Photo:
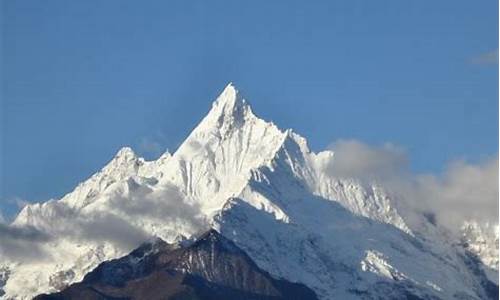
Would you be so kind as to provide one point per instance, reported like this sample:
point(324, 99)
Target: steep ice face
point(264, 188)
point(229, 112)
point(214, 162)
point(305, 237)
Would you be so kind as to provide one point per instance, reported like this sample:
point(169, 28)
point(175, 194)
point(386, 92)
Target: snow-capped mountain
point(264, 189)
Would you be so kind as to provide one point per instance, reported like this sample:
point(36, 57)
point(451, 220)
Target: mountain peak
point(124, 158)
point(229, 110)
point(229, 98)
point(125, 153)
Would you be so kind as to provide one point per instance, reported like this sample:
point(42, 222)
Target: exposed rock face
point(212, 267)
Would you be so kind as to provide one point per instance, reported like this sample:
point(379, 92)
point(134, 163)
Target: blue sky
point(80, 79)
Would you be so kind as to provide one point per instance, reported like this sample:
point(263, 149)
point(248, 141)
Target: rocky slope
point(211, 267)
point(264, 189)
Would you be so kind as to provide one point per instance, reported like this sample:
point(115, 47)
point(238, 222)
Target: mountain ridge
point(242, 175)
point(210, 267)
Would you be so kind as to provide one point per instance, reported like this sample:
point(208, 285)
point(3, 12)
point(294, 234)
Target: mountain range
point(266, 192)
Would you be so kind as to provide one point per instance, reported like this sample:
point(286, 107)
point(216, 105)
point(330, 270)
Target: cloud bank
point(167, 205)
point(354, 159)
point(120, 222)
point(463, 192)
point(22, 242)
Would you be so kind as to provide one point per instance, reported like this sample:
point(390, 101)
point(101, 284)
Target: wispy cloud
point(487, 58)
point(152, 145)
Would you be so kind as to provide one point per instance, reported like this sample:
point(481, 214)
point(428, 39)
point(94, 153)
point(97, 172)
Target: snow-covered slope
point(267, 191)
point(480, 240)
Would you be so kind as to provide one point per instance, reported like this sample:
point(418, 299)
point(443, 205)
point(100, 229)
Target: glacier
point(263, 188)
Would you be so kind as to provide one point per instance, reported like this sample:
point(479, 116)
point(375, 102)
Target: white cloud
point(22, 242)
point(116, 223)
point(464, 191)
point(358, 160)
point(105, 227)
point(164, 206)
